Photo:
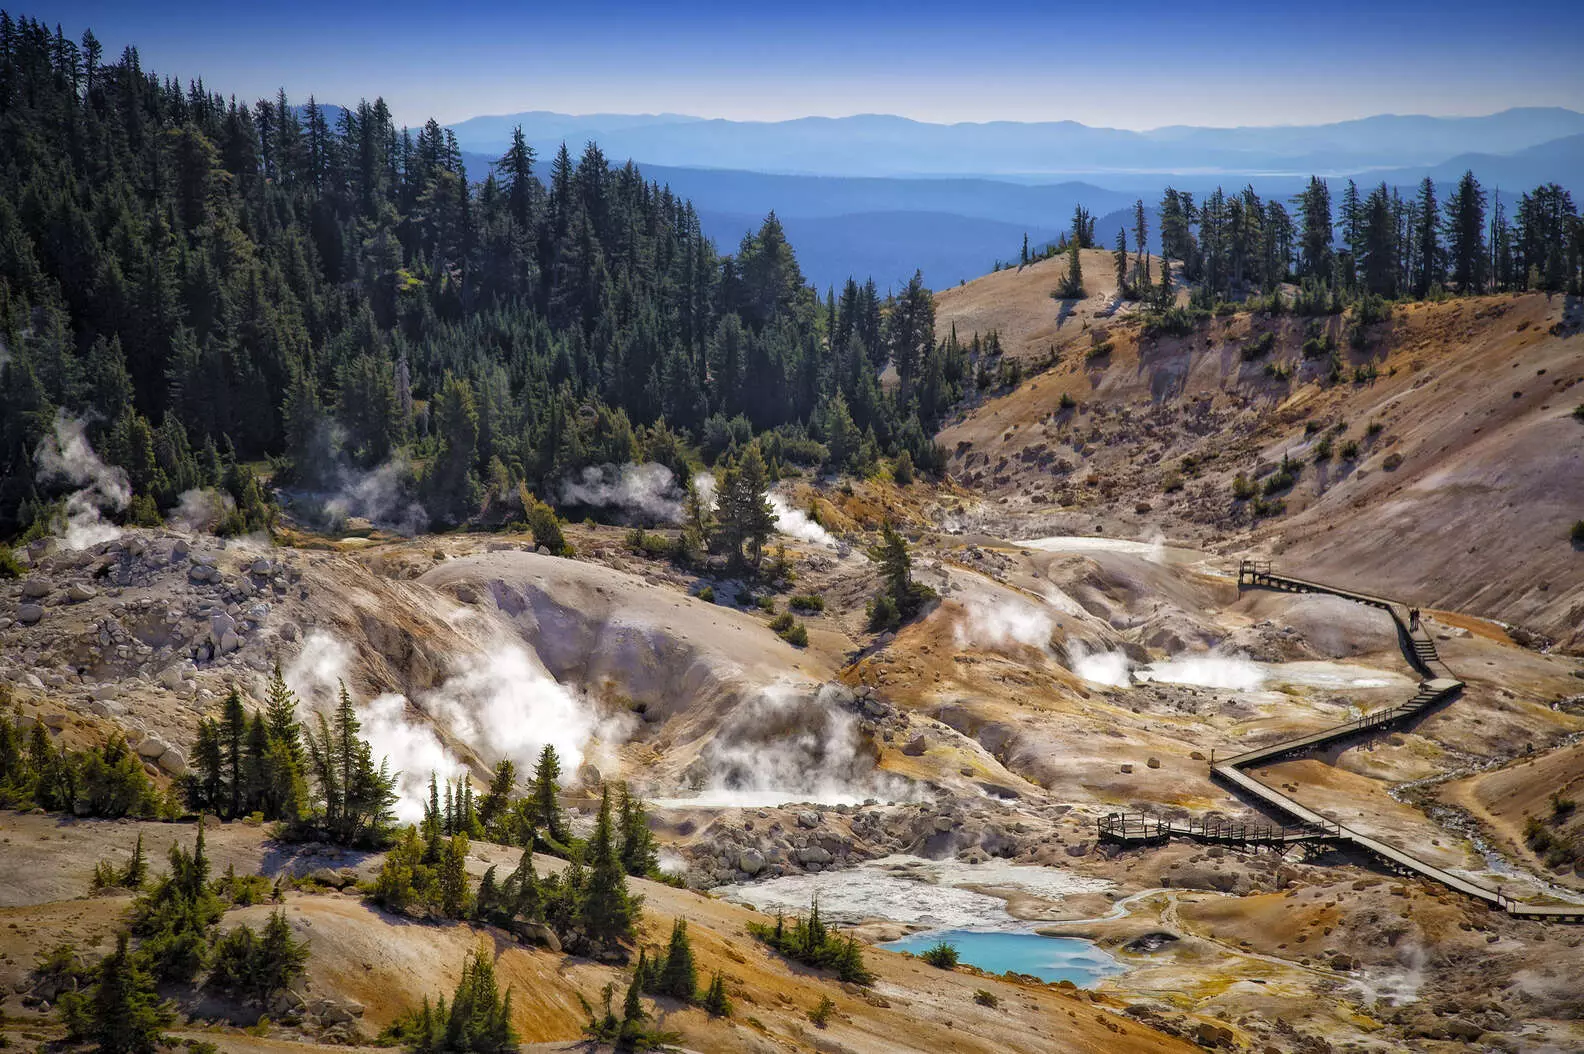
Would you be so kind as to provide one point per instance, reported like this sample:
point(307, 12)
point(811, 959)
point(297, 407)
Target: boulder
point(220, 623)
point(916, 746)
point(589, 775)
point(1153, 763)
point(173, 761)
point(813, 854)
point(56, 721)
point(750, 861)
point(538, 933)
point(29, 614)
point(77, 592)
point(230, 643)
point(808, 818)
point(261, 567)
point(34, 588)
point(152, 747)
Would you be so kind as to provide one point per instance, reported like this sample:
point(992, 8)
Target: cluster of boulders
point(137, 616)
point(332, 1020)
point(768, 843)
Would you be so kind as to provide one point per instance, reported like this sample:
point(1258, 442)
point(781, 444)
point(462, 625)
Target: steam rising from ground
point(796, 523)
point(1105, 667)
point(1207, 670)
point(201, 509)
point(66, 455)
point(787, 744)
point(381, 495)
point(644, 492)
point(500, 703)
point(1010, 620)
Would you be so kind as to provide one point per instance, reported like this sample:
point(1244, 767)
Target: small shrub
point(1260, 346)
point(821, 1013)
point(1323, 450)
point(942, 956)
point(10, 567)
point(782, 622)
point(1577, 534)
point(765, 603)
point(1067, 401)
point(1242, 488)
point(806, 602)
point(1374, 429)
point(1280, 371)
point(1578, 415)
point(797, 636)
point(1283, 478)
point(1171, 482)
point(984, 998)
point(1393, 460)
point(1561, 806)
point(1098, 350)
point(707, 594)
point(1350, 450)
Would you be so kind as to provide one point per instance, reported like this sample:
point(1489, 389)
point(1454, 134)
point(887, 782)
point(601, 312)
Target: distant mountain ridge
point(883, 145)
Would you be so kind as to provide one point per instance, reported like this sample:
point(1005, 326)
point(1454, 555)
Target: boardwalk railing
point(1439, 686)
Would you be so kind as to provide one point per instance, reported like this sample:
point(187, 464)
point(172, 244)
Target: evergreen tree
point(1465, 235)
point(638, 853)
point(745, 517)
point(545, 796)
point(1121, 260)
point(716, 1003)
point(1428, 225)
point(678, 976)
point(1314, 211)
point(123, 1013)
point(607, 912)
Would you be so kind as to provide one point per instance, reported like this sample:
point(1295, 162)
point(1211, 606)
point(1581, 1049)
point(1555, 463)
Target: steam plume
point(66, 455)
point(647, 491)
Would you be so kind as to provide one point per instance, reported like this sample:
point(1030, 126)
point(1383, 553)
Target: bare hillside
point(1442, 459)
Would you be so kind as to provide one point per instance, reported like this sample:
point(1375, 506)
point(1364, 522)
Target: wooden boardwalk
point(1439, 686)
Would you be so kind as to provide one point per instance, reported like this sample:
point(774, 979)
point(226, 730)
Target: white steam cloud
point(380, 495)
point(66, 455)
point(1103, 667)
point(789, 744)
point(1206, 670)
point(797, 524)
point(501, 703)
point(647, 491)
point(996, 623)
point(201, 509)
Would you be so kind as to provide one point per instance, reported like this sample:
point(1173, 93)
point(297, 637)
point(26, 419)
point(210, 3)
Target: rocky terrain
point(1088, 652)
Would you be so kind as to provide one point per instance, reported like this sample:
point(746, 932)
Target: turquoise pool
point(997, 951)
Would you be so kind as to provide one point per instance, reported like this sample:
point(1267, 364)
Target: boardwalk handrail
point(1439, 686)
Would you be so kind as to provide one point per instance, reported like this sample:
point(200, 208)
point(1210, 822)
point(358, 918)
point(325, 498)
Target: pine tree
point(1072, 287)
point(679, 977)
point(716, 1003)
point(1465, 235)
point(233, 731)
point(746, 519)
point(607, 911)
point(492, 807)
point(124, 1013)
point(1141, 266)
point(1121, 260)
point(1428, 225)
point(638, 854)
point(456, 898)
point(545, 796)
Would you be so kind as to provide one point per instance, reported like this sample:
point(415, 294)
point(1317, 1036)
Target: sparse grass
point(984, 998)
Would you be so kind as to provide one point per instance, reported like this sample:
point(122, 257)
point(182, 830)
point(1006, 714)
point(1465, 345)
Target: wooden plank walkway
point(1439, 686)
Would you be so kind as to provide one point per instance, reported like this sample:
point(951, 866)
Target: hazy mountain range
point(880, 195)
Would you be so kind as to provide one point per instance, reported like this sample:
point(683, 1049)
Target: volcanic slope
point(1435, 454)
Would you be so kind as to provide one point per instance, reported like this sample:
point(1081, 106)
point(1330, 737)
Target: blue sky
point(1139, 64)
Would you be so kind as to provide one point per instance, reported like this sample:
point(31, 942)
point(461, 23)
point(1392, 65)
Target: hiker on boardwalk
point(1413, 618)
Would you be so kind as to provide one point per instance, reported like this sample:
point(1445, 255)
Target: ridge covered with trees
point(223, 288)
